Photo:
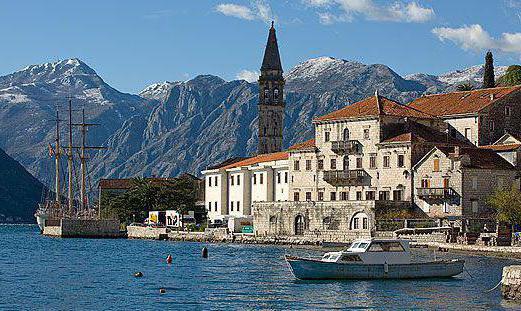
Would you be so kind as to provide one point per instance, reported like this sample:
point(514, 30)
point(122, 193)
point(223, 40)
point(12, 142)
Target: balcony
point(346, 147)
point(346, 178)
point(435, 193)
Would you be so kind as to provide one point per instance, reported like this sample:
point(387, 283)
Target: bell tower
point(271, 98)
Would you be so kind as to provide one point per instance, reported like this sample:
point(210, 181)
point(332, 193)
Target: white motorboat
point(372, 259)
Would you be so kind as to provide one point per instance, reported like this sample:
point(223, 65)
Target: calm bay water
point(40, 273)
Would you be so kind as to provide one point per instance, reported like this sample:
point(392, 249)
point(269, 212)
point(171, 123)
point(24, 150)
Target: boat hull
point(310, 269)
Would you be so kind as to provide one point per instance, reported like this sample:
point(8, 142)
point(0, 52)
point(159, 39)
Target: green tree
point(507, 205)
point(488, 75)
point(512, 76)
point(467, 86)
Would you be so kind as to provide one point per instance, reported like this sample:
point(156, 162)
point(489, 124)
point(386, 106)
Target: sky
point(132, 44)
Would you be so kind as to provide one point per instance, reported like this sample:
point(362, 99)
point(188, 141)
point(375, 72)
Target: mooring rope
point(493, 288)
point(468, 272)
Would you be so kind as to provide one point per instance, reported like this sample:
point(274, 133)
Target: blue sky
point(132, 44)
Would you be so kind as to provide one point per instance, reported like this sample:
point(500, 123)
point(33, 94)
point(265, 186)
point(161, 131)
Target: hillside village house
point(368, 158)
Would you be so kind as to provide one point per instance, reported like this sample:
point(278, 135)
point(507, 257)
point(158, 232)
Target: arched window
point(267, 94)
point(346, 134)
point(359, 221)
point(299, 225)
point(276, 94)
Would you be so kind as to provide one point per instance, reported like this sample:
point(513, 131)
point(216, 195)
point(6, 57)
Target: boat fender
point(162, 291)
point(205, 252)
point(169, 259)
point(138, 274)
point(386, 267)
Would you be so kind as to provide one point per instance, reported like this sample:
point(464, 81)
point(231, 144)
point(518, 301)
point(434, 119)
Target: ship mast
point(57, 154)
point(82, 158)
point(69, 162)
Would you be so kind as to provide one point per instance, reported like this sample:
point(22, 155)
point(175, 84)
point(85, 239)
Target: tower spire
point(271, 59)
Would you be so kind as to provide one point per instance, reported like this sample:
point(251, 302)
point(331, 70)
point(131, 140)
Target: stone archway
point(299, 225)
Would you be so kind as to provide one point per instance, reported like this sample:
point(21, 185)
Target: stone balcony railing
point(346, 147)
point(435, 193)
point(346, 178)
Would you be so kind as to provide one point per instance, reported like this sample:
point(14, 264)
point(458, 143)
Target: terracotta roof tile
point(481, 158)
point(268, 157)
point(506, 147)
point(419, 133)
point(460, 102)
point(308, 144)
point(369, 107)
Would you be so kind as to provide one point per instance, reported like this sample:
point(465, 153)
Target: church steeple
point(271, 98)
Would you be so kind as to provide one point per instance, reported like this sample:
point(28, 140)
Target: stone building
point(479, 116)
point(456, 182)
point(271, 98)
point(509, 148)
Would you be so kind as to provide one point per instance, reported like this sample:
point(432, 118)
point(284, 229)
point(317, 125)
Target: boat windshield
point(386, 247)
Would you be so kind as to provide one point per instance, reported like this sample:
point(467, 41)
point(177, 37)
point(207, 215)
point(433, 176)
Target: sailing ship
point(51, 211)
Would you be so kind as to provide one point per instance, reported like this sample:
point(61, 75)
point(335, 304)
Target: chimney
point(456, 151)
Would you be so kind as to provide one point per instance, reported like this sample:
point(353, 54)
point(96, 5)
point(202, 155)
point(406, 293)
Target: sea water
point(42, 273)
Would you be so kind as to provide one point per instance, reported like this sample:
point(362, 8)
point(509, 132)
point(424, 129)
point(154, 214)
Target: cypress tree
point(488, 75)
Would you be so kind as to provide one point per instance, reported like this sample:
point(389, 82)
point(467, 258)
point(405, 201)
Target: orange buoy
point(169, 259)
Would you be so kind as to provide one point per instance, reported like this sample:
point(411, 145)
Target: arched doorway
point(359, 221)
point(299, 225)
point(346, 134)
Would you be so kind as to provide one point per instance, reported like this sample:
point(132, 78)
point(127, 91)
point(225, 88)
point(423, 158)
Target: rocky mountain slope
point(20, 192)
point(172, 127)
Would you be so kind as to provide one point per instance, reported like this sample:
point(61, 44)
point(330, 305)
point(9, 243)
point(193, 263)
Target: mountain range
point(171, 127)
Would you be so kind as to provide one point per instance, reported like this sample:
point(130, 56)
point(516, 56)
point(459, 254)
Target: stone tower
point(271, 98)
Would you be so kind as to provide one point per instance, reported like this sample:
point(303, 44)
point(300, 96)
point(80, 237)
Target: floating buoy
point(169, 259)
point(162, 291)
point(138, 274)
point(205, 252)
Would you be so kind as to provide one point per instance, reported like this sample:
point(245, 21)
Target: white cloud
point(259, 10)
point(474, 37)
point(235, 10)
point(250, 76)
point(411, 12)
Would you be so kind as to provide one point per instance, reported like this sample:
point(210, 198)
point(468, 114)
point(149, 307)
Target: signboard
point(173, 219)
point(247, 229)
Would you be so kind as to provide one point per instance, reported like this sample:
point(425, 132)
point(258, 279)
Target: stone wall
point(314, 221)
point(90, 228)
point(55, 231)
point(511, 282)
point(137, 232)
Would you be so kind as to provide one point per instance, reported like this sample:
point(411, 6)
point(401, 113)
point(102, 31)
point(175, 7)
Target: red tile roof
point(308, 144)
point(506, 147)
point(268, 157)
point(481, 158)
point(419, 133)
point(456, 103)
point(370, 107)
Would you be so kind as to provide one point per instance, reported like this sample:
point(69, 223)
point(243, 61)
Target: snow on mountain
point(158, 91)
point(472, 74)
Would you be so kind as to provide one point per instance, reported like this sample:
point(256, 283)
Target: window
point(231, 206)
point(216, 181)
point(276, 94)
point(365, 223)
point(308, 196)
point(254, 178)
point(209, 181)
point(308, 165)
point(209, 206)
point(278, 178)
point(366, 133)
point(356, 223)
point(385, 247)
point(383, 196)
point(436, 165)
point(426, 183)
point(215, 206)
point(232, 178)
point(508, 111)
point(238, 180)
point(397, 195)
point(369, 195)
point(372, 161)
point(286, 177)
point(296, 165)
point(333, 164)
point(468, 133)
point(474, 183)
point(446, 182)
point(320, 196)
point(344, 196)
point(346, 134)
point(238, 206)
point(267, 94)
point(296, 196)
point(261, 178)
point(333, 196)
point(359, 162)
point(326, 136)
point(359, 195)
point(491, 125)
point(401, 160)
point(387, 162)
point(320, 164)
point(474, 204)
